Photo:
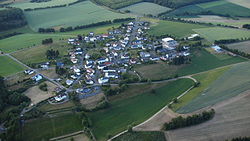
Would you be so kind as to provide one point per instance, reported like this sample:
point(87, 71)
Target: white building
point(169, 43)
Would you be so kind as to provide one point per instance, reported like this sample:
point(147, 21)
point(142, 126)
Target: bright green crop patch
point(135, 109)
point(9, 66)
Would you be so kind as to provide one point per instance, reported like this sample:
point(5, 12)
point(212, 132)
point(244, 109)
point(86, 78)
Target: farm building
point(169, 43)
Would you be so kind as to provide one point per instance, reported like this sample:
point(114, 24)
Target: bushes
point(236, 51)
point(46, 30)
point(240, 139)
point(247, 26)
point(47, 41)
point(43, 87)
point(180, 122)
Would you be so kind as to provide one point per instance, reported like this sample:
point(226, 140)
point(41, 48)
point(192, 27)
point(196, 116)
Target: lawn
point(229, 84)
point(27, 4)
point(142, 136)
point(27, 40)
point(241, 46)
point(205, 80)
point(135, 110)
point(218, 33)
point(82, 13)
point(38, 54)
point(176, 29)
point(46, 128)
point(146, 8)
point(9, 66)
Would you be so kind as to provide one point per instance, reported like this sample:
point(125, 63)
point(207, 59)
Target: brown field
point(242, 46)
point(51, 73)
point(244, 3)
point(36, 95)
point(80, 137)
point(50, 107)
point(92, 102)
point(232, 119)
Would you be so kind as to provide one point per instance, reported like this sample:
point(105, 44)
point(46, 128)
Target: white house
point(37, 77)
point(103, 80)
point(69, 82)
point(169, 43)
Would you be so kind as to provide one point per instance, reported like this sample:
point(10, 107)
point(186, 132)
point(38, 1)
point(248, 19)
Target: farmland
point(83, 13)
point(9, 66)
point(241, 46)
point(22, 41)
point(123, 112)
point(116, 4)
point(141, 136)
point(181, 29)
point(244, 3)
point(218, 33)
point(222, 88)
point(151, 8)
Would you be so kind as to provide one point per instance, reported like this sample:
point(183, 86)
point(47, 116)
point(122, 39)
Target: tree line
point(195, 119)
point(47, 41)
point(247, 26)
point(236, 51)
point(240, 139)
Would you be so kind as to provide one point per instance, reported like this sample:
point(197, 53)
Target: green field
point(78, 14)
point(241, 46)
point(244, 3)
point(27, 4)
point(38, 54)
point(176, 29)
point(9, 66)
point(46, 128)
point(27, 40)
point(231, 83)
point(218, 33)
point(141, 136)
point(146, 8)
point(115, 4)
point(122, 113)
point(221, 7)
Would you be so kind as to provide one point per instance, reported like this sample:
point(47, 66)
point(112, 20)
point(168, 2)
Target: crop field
point(23, 41)
point(115, 4)
point(146, 8)
point(9, 66)
point(218, 33)
point(232, 119)
point(142, 136)
point(78, 14)
point(38, 54)
point(222, 88)
point(241, 46)
point(244, 3)
point(28, 4)
point(217, 7)
point(122, 113)
point(46, 128)
point(180, 29)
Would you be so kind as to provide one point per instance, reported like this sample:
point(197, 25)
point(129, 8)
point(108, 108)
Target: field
point(221, 89)
point(9, 66)
point(142, 136)
point(181, 30)
point(242, 46)
point(244, 3)
point(78, 14)
point(27, 40)
point(115, 4)
point(80, 137)
point(27, 4)
point(232, 119)
point(146, 8)
point(218, 33)
point(216, 8)
point(38, 54)
point(46, 128)
point(122, 113)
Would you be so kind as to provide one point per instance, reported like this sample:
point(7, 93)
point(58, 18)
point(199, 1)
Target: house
point(106, 69)
point(193, 36)
point(169, 43)
point(89, 82)
point(111, 75)
point(101, 66)
point(102, 60)
point(37, 77)
point(144, 54)
point(103, 80)
point(69, 82)
point(59, 64)
point(29, 72)
point(154, 58)
point(60, 97)
point(217, 49)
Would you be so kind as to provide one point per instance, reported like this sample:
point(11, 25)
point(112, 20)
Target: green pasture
point(231, 83)
point(142, 136)
point(146, 8)
point(9, 66)
point(137, 109)
point(83, 13)
point(241, 46)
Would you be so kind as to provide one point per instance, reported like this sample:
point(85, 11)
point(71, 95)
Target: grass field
point(180, 29)
point(38, 54)
point(244, 3)
point(27, 40)
point(9, 66)
point(115, 4)
point(218, 33)
point(27, 4)
point(217, 7)
point(136, 109)
point(142, 136)
point(241, 46)
point(145, 8)
point(223, 88)
point(46, 128)
point(78, 14)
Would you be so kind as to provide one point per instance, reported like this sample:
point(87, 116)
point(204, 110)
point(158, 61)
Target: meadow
point(28, 4)
point(82, 13)
point(218, 33)
point(222, 88)
point(145, 8)
point(116, 4)
point(244, 3)
point(9, 66)
point(142, 136)
point(181, 30)
point(23, 41)
point(241, 46)
point(135, 110)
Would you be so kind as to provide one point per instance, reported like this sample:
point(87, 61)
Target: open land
point(244, 3)
point(141, 136)
point(9, 66)
point(241, 46)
